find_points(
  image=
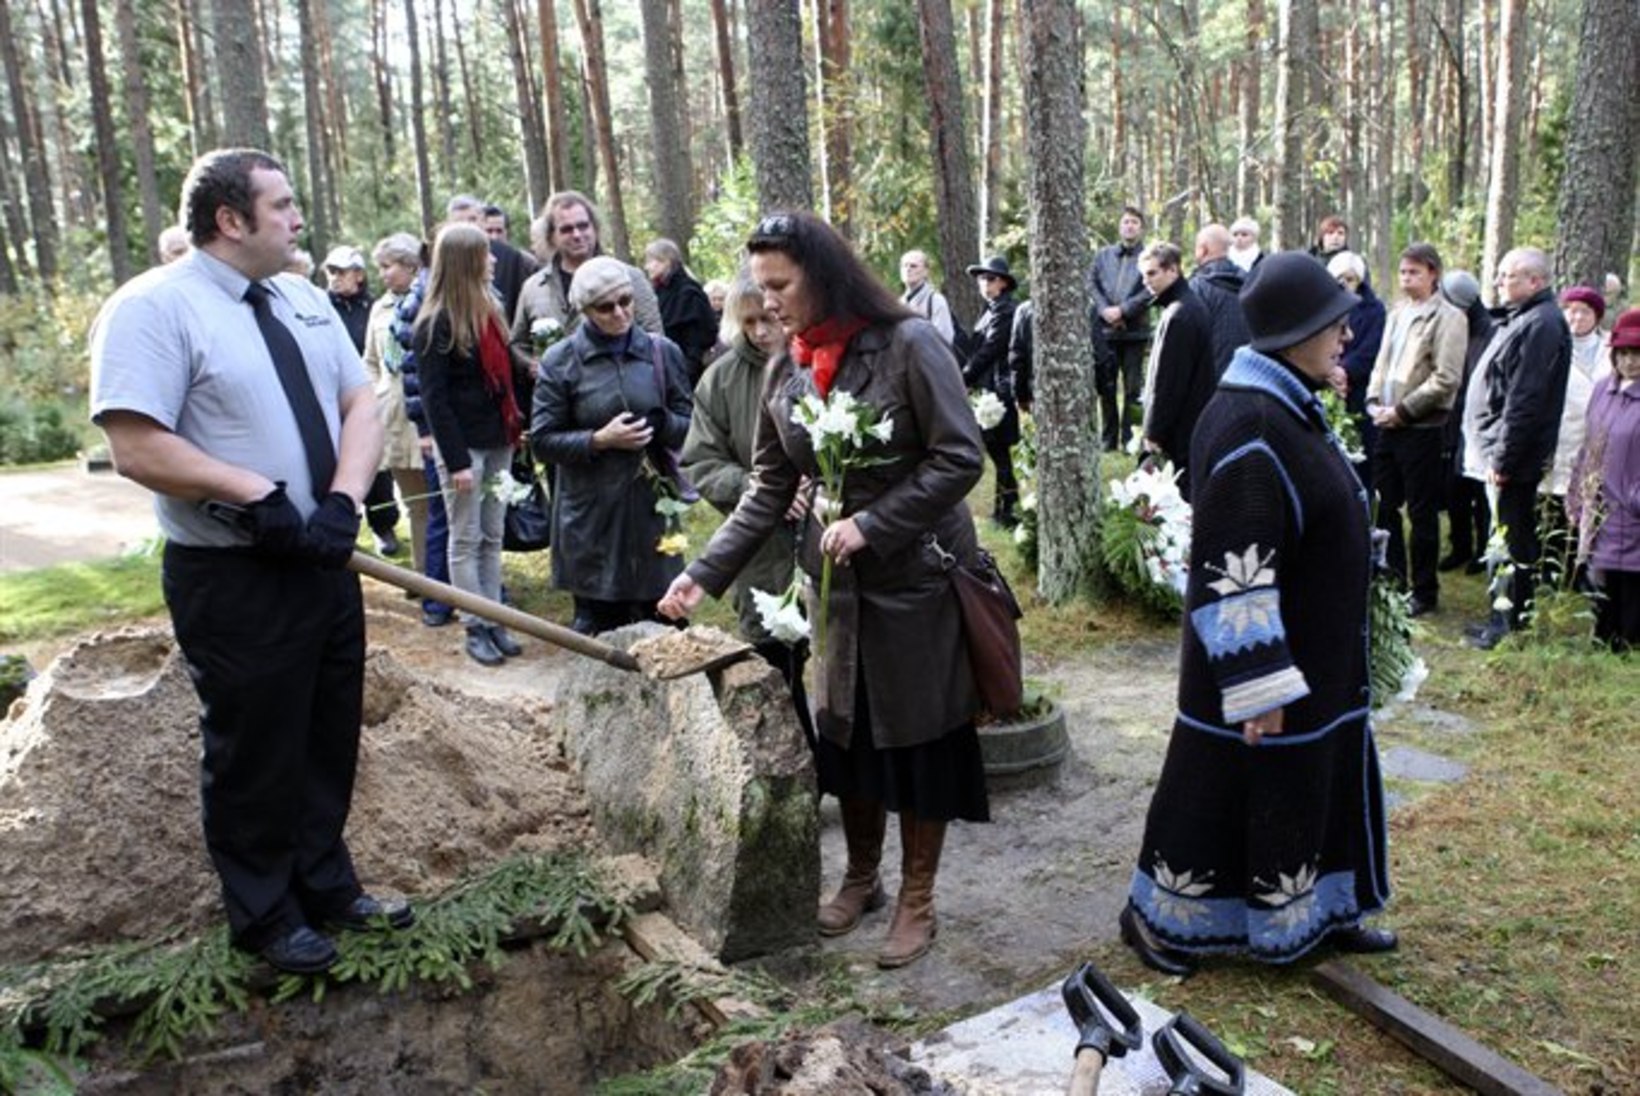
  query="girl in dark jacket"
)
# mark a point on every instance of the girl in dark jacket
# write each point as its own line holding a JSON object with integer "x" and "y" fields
{"x": 465, "y": 371}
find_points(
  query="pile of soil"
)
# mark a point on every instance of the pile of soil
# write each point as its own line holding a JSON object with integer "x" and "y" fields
{"x": 99, "y": 804}
{"x": 849, "y": 1056}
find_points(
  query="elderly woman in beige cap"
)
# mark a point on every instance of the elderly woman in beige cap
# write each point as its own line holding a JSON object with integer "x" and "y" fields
{"x": 608, "y": 395}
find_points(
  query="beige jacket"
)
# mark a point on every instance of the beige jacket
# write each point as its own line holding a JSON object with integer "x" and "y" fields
{"x": 1424, "y": 377}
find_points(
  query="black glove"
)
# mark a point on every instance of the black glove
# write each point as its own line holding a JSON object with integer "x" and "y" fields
{"x": 275, "y": 525}
{"x": 332, "y": 530}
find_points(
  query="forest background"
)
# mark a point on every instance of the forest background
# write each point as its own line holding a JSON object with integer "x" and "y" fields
{"x": 964, "y": 127}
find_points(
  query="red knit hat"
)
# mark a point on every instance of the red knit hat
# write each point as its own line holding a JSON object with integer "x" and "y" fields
{"x": 1582, "y": 294}
{"x": 1626, "y": 332}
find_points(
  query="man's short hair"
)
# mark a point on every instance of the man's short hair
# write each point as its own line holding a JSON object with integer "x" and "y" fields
{"x": 492, "y": 210}
{"x": 1134, "y": 211}
{"x": 467, "y": 205}
{"x": 222, "y": 179}
{"x": 1244, "y": 224}
{"x": 1424, "y": 253}
{"x": 1165, "y": 255}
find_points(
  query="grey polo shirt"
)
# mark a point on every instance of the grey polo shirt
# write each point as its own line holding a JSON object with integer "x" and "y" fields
{"x": 180, "y": 345}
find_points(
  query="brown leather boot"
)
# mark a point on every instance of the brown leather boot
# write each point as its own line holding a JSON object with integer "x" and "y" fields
{"x": 912, "y": 932}
{"x": 863, "y": 824}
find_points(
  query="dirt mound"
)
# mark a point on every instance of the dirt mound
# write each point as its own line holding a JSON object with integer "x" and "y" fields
{"x": 846, "y": 1057}
{"x": 99, "y": 803}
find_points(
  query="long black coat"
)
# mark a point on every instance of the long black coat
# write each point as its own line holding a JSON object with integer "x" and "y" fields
{"x": 604, "y": 525}
{"x": 987, "y": 366}
{"x": 1182, "y": 376}
{"x": 687, "y": 316}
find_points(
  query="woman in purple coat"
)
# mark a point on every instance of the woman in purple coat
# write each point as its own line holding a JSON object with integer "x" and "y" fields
{"x": 1604, "y": 496}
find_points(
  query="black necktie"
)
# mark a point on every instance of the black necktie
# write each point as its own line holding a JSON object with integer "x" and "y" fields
{"x": 293, "y": 377}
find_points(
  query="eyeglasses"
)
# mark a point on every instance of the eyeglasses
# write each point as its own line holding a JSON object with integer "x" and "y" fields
{"x": 607, "y": 308}
{"x": 574, "y": 229}
{"x": 779, "y": 226}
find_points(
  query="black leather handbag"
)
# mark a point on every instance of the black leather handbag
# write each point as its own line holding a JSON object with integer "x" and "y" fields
{"x": 528, "y": 525}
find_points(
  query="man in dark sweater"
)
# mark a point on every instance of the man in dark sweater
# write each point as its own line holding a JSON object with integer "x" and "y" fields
{"x": 1121, "y": 301}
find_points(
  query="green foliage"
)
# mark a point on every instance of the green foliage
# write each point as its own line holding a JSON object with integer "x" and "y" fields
{"x": 716, "y": 249}
{"x": 54, "y": 600}
{"x": 36, "y": 433}
{"x": 1124, "y": 538}
{"x": 1389, "y": 645}
{"x": 680, "y": 984}
{"x": 43, "y": 343}
{"x": 182, "y": 988}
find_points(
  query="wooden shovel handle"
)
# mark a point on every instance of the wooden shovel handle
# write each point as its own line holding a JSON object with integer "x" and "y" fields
{"x": 556, "y": 634}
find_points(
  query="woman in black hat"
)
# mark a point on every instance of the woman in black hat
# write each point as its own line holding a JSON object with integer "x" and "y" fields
{"x": 987, "y": 370}
{"x": 1266, "y": 831}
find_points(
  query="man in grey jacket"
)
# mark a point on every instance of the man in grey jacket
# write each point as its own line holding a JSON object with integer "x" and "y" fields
{"x": 1121, "y": 301}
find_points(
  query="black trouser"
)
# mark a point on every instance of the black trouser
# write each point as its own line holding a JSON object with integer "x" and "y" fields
{"x": 1617, "y": 613}
{"x": 593, "y": 616}
{"x": 1468, "y": 515}
{"x": 999, "y": 446}
{"x": 1126, "y": 363}
{"x": 276, "y": 653}
{"x": 1407, "y": 473}
{"x": 1517, "y": 513}
{"x": 381, "y": 510}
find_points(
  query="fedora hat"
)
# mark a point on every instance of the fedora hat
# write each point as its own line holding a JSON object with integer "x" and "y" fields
{"x": 996, "y": 265}
{"x": 1288, "y": 298}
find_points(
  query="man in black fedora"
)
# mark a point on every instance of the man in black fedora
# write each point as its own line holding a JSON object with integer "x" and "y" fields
{"x": 987, "y": 369}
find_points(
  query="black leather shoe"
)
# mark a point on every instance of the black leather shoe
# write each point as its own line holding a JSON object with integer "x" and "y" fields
{"x": 1452, "y": 561}
{"x": 1362, "y": 940}
{"x": 481, "y": 648}
{"x": 504, "y": 642}
{"x": 1489, "y": 638}
{"x": 301, "y": 951}
{"x": 1419, "y": 607}
{"x": 1157, "y": 957}
{"x": 367, "y": 914}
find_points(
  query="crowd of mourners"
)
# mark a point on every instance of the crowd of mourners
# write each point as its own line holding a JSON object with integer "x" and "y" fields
{"x": 633, "y": 391}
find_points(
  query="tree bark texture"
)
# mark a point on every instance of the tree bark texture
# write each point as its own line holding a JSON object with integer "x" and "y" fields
{"x": 1504, "y": 184}
{"x": 384, "y": 83}
{"x": 320, "y": 227}
{"x": 1597, "y": 191}
{"x": 202, "y": 129}
{"x": 953, "y": 174}
{"x": 990, "y": 206}
{"x": 446, "y": 128}
{"x": 591, "y": 19}
{"x": 531, "y": 132}
{"x": 726, "y": 74}
{"x": 1067, "y": 444}
{"x": 418, "y": 124}
{"x": 31, "y": 144}
{"x": 673, "y": 173}
{"x": 552, "y": 80}
{"x": 154, "y": 219}
{"x": 836, "y": 115}
{"x": 779, "y": 131}
{"x": 239, "y": 74}
{"x": 108, "y": 153}
{"x": 1286, "y": 228}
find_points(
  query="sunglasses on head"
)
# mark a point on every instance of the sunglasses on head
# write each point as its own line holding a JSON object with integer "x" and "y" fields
{"x": 776, "y": 227}
{"x": 607, "y": 308}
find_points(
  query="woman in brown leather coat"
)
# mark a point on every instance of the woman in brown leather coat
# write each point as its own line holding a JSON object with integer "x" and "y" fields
{"x": 896, "y": 700}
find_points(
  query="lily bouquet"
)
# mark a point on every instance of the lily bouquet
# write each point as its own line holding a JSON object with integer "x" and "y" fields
{"x": 840, "y": 429}
{"x": 543, "y": 333}
{"x": 1146, "y": 537}
{"x": 782, "y": 614}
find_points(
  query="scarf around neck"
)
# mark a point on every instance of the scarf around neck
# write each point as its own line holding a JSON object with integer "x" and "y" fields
{"x": 496, "y": 364}
{"x": 821, "y": 347}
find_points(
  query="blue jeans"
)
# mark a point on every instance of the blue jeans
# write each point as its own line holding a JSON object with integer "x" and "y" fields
{"x": 438, "y": 536}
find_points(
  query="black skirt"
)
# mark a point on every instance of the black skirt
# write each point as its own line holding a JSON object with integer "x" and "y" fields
{"x": 938, "y": 781}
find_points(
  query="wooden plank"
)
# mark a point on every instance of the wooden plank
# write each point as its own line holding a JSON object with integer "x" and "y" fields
{"x": 1430, "y": 1037}
{"x": 654, "y": 936}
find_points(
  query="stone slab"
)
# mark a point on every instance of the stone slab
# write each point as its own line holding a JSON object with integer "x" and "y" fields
{"x": 1025, "y": 1048}
{"x": 1411, "y": 763}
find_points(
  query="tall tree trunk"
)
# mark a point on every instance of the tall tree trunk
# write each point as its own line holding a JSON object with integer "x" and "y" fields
{"x": 383, "y": 80}
{"x": 1056, "y": 139}
{"x": 591, "y": 20}
{"x": 321, "y": 228}
{"x": 832, "y": 32}
{"x": 589, "y": 129}
{"x": 239, "y": 74}
{"x": 686, "y": 121}
{"x": 1504, "y": 183}
{"x": 108, "y": 153}
{"x": 1417, "y": 81}
{"x": 1597, "y": 191}
{"x": 31, "y": 144}
{"x": 1455, "y": 103}
{"x": 1118, "y": 163}
{"x": 953, "y": 175}
{"x": 441, "y": 91}
{"x": 726, "y": 72}
{"x": 16, "y": 259}
{"x": 418, "y": 124}
{"x": 1354, "y": 106}
{"x": 154, "y": 219}
{"x": 990, "y": 206}
{"x": 778, "y": 105}
{"x": 1287, "y": 227}
{"x": 1487, "y": 110}
{"x": 672, "y": 169}
{"x": 202, "y": 129}
{"x": 469, "y": 93}
{"x": 552, "y": 79}
{"x": 335, "y": 106}
{"x": 76, "y": 192}
{"x": 529, "y": 122}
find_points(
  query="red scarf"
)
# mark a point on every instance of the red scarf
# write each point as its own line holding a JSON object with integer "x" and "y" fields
{"x": 495, "y": 361}
{"x": 821, "y": 348}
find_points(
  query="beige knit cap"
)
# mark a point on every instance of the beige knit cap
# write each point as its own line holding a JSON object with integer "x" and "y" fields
{"x": 597, "y": 278}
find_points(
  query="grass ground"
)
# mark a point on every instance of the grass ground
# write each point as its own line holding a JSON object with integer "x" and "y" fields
{"x": 1517, "y": 889}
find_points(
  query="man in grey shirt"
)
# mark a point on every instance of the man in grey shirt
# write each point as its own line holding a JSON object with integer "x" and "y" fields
{"x": 197, "y": 376}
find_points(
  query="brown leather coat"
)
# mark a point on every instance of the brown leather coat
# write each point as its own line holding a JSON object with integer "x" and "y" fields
{"x": 893, "y": 624}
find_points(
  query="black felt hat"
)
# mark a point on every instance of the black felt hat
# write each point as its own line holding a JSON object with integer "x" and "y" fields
{"x": 997, "y": 265}
{"x": 1288, "y": 298}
